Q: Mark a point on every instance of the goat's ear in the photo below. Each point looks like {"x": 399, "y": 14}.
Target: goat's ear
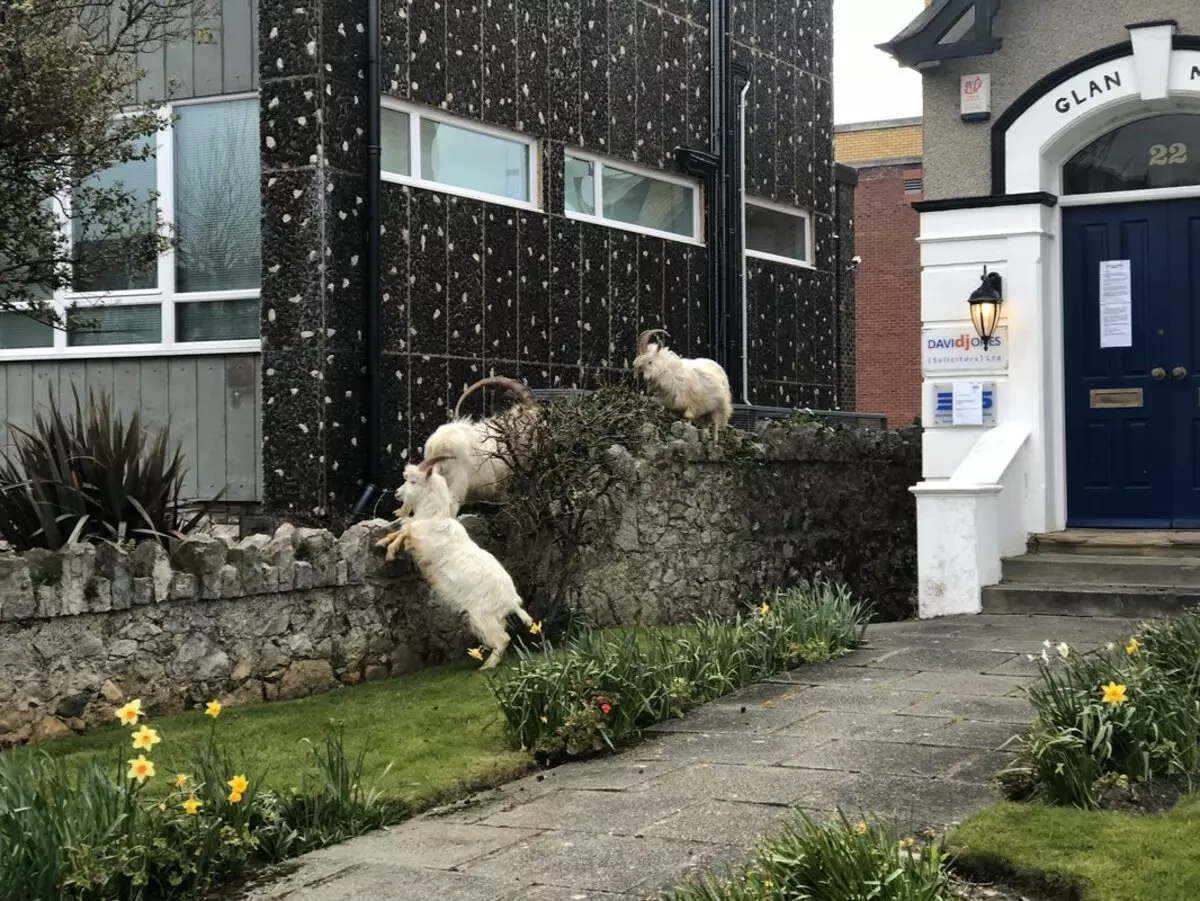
{"x": 413, "y": 473}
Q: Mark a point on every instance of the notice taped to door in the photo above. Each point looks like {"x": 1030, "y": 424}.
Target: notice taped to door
{"x": 1116, "y": 304}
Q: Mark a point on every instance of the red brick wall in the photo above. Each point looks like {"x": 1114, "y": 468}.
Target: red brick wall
{"x": 888, "y": 295}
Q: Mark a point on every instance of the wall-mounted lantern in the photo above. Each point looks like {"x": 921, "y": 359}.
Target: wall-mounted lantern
{"x": 986, "y": 301}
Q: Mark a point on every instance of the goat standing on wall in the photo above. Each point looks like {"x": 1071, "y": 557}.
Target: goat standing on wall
{"x": 462, "y": 575}
{"x": 477, "y": 461}
{"x": 697, "y": 389}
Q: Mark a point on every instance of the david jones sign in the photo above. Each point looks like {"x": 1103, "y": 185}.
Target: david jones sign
{"x": 961, "y": 350}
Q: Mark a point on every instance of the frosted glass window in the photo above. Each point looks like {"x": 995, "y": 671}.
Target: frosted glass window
{"x": 217, "y": 320}
{"x": 641, "y": 200}
{"x": 218, "y": 205}
{"x": 579, "y": 186}
{"x": 93, "y": 326}
{"x": 394, "y": 142}
{"x": 91, "y": 239}
{"x": 464, "y": 158}
{"x": 776, "y": 233}
{"x": 18, "y": 331}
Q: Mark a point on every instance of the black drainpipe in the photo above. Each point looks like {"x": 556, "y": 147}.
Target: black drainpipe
{"x": 373, "y": 332}
{"x": 718, "y": 167}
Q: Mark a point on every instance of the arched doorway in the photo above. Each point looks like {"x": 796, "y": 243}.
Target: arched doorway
{"x": 1131, "y": 326}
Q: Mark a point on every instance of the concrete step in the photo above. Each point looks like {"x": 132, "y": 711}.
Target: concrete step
{"x": 1119, "y": 542}
{"x": 1089, "y": 570}
{"x": 1136, "y": 601}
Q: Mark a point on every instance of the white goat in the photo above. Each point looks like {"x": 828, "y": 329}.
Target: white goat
{"x": 464, "y": 576}
{"x": 478, "y": 464}
{"x": 698, "y": 389}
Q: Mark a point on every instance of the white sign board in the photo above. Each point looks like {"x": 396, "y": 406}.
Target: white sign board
{"x": 961, "y": 350}
{"x": 968, "y": 403}
{"x": 1116, "y": 304}
{"x": 975, "y": 96}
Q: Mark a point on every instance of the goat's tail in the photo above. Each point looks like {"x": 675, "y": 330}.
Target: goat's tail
{"x": 524, "y": 617}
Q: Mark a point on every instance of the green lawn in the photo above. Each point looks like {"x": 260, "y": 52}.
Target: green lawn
{"x": 1111, "y": 856}
{"x": 436, "y": 728}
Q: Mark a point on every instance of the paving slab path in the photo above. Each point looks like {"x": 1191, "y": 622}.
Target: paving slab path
{"x": 907, "y": 727}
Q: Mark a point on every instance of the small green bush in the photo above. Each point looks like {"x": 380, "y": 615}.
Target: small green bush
{"x": 836, "y": 862}
{"x": 1084, "y": 740}
{"x": 94, "y": 831}
{"x": 90, "y": 475}
{"x": 601, "y": 688}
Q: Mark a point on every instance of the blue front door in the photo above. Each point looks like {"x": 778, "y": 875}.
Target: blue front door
{"x": 1133, "y": 413}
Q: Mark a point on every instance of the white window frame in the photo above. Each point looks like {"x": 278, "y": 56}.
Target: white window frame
{"x": 164, "y": 295}
{"x": 796, "y": 212}
{"x": 416, "y": 113}
{"x": 598, "y": 217}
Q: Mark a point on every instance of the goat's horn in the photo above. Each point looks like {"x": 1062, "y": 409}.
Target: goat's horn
{"x": 427, "y": 465}
{"x": 522, "y": 392}
{"x": 643, "y": 344}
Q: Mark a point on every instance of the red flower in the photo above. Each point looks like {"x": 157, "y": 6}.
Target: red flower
{"x": 606, "y": 709}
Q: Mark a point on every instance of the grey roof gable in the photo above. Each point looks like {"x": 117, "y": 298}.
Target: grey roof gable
{"x": 946, "y": 29}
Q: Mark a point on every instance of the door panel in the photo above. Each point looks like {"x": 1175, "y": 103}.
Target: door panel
{"x": 1183, "y": 293}
{"x": 1119, "y": 462}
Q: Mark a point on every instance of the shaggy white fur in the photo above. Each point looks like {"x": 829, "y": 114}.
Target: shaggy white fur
{"x": 463, "y": 576}
{"x": 697, "y": 389}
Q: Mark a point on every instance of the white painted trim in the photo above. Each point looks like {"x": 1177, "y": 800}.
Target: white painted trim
{"x": 984, "y": 236}
{"x": 630, "y": 227}
{"x": 442, "y": 188}
{"x": 1112, "y": 197}
{"x": 109, "y": 351}
{"x": 1152, "y": 56}
{"x": 416, "y": 113}
{"x": 785, "y": 210}
{"x": 599, "y": 162}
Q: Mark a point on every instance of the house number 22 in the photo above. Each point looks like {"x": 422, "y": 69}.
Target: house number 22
{"x": 1173, "y": 155}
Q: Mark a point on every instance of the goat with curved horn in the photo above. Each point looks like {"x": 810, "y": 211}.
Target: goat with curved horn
{"x": 478, "y": 455}
{"x": 696, "y": 389}
{"x": 643, "y": 344}
{"x": 518, "y": 389}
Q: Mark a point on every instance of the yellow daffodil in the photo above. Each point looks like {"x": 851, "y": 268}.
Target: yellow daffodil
{"x": 764, "y": 609}
{"x": 140, "y": 768}
{"x": 192, "y": 806}
{"x": 862, "y": 827}
{"x": 767, "y": 883}
{"x": 213, "y": 709}
{"x": 130, "y": 713}
{"x": 145, "y": 739}
{"x": 536, "y": 629}
{"x": 1133, "y": 647}
{"x": 476, "y": 653}
{"x": 239, "y": 784}
{"x": 181, "y": 780}
{"x": 1114, "y": 694}
{"x": 235, "y": 797}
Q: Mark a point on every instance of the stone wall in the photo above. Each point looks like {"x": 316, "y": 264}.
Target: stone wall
{"x": 700, "y": 530}
{"x": 87, "y": 628}
{"x": 692, "y": 529}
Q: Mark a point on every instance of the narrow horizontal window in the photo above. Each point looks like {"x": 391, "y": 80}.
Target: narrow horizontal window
{"x": 18, "y": 331}
{"x": 218, "y": 320}
{"x": 95, "y": 326}
{"x": 777, "y": 232}
{"x": 629, "y": 198}
{"x": 434, "y": 150}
